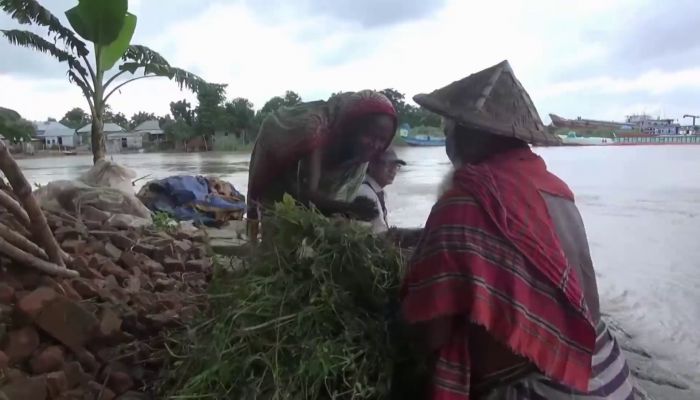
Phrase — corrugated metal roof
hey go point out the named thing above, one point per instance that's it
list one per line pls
(151, 126)
(108, 128)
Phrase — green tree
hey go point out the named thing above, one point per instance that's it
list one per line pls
(291, 98)
(239, 117)
(210, 112)
(109, 27)
(139, 118)
(182, 110)
(76, 118)
(13, 127)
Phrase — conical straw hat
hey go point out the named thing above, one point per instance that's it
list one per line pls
(492, 100)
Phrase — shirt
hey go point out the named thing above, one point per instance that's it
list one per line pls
(371, 190)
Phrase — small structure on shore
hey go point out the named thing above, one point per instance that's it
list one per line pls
(150, 131)
(55, 134)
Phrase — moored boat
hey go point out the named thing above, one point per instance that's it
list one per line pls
(424, 141)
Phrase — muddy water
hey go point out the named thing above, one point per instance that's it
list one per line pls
(641, 206)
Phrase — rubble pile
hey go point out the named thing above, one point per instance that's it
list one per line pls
(83, 316)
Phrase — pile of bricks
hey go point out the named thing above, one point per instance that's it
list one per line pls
(85, 307)
(96, 336)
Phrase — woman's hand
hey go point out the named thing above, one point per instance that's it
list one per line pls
(363, 209)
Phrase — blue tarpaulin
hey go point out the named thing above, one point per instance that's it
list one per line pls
(187, 197)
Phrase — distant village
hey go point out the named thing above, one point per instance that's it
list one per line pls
(634, 124)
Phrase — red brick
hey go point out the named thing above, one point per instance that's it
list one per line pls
(96, 388)
(110, 323)
(110, 268)
(112, 251)
(4, 360)
(129, 260)
(69, 291)
(25, 389)
(75, 375)
(34, 302)
(119, 381)
(73, 246)
(85, 288)
(21, 343)
(200, 265)
(173, 264)
(67, 322)
(92, 213)
(56, 383)
(49, 359)
(7, 293)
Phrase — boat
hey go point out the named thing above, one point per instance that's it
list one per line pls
(572, 139)
(424, 140)
(70, 153)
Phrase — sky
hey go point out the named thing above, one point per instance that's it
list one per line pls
(601, 59)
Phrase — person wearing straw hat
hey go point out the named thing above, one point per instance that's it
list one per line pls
(501, 288)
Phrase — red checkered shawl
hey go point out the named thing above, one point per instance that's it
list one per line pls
(490, 252)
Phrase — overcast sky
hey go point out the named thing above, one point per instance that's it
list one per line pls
(596, 58)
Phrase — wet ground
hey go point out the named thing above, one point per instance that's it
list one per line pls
(641, 205)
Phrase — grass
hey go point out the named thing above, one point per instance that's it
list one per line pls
(303, 319)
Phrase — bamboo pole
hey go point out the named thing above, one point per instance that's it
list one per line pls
(29, 260)
(21, 242)
(12, 206)
(39, 227)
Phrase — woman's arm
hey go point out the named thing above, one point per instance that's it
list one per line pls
(308, 193)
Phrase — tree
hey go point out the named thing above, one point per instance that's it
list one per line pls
(408, 113)
(182, 110)
(291, 98)
(209, 113)
(76, 118)
(13, 127)
(239, 117)
(50, 119)
(165, 121)
(139, 118)
(119, 119)
(109, 27)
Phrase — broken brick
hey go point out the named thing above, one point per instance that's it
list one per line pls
(112, 251)
(92, 213)
(85, 288)
(21, 344)
(49, 359)
(67, 322)
(173, 264)
(4, 360)
(75, 375)
(56, 383)
(129, 260)
(7, 293)
(34, 302)
(200, 265)
(74, 246)
(110, 323)
(25, 389)
(96, 389)
(110, 268)
(119, 381)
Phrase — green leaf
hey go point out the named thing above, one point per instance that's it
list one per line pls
(115, 50)
(99, 21)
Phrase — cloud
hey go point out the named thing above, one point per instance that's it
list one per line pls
(363, 13)
(575, 58)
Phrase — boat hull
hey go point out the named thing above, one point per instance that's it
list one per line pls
(424, 142)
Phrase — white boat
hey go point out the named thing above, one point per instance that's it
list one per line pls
(571, 139)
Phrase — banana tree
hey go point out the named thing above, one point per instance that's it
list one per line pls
(109, 26)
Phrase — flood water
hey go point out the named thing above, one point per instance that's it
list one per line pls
(641, 206)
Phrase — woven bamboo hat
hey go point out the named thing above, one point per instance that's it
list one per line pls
(492, 100)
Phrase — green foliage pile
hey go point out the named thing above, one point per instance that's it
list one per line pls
(304, 319)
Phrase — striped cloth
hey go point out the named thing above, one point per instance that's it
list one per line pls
(490, 252)
(610, 379)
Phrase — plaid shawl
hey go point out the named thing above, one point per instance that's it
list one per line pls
(490, 252)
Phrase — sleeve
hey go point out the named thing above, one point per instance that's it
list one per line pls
(378, 225)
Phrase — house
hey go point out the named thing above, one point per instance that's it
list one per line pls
(150, 131)
(118, 142)
(109, 127)
(55, 134)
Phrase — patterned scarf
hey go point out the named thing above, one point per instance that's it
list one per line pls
(490, 252)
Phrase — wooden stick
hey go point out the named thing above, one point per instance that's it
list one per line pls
(12, 206)
(39, 227)
(29, 260)
(21, 242)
